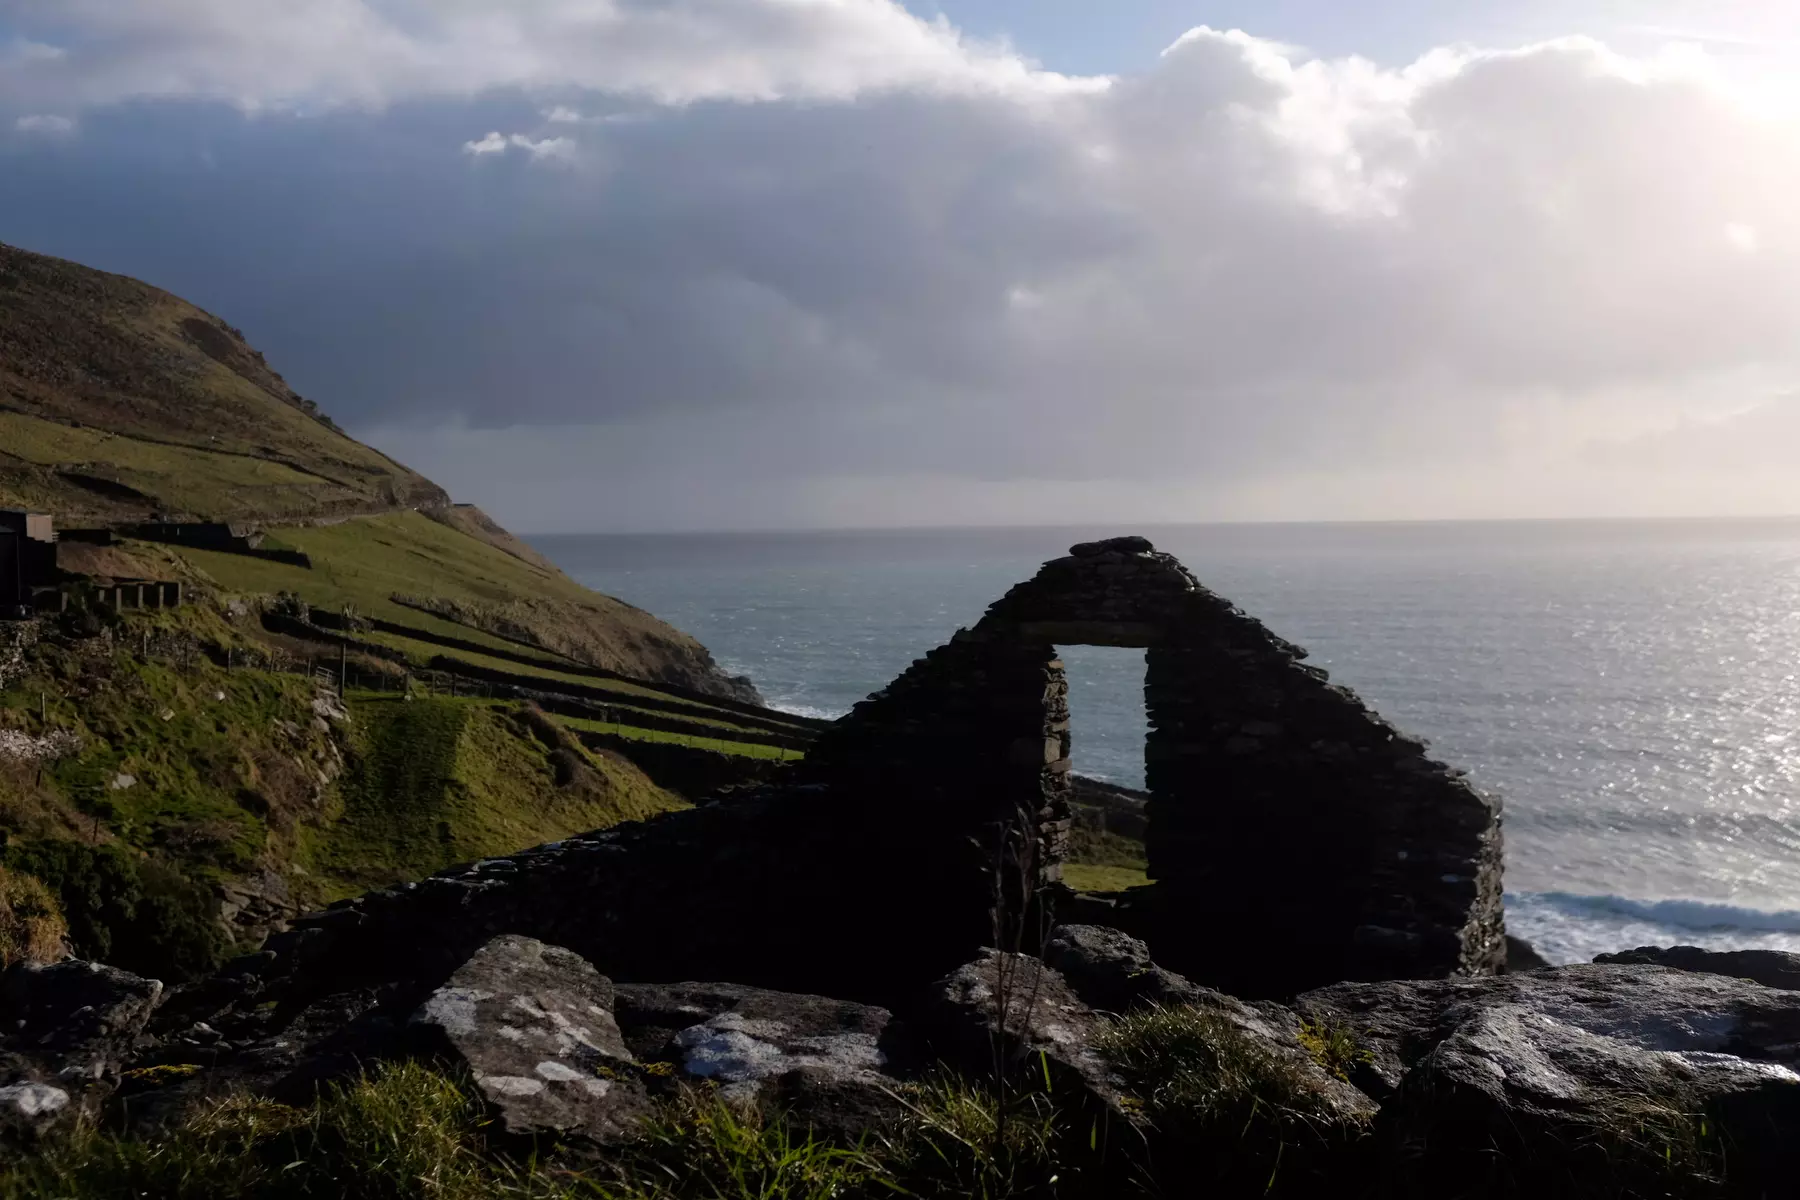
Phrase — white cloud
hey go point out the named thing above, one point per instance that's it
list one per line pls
(545, 148)
(305, 53)
(538, 148)
(47, 124)
(493, 143)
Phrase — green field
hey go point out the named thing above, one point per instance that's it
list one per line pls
(152, 466)
(742, 749)
(434, 782)
(1088, 877)
(1100, 861)
(364, 563)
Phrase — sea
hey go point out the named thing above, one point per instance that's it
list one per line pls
(1630, 690)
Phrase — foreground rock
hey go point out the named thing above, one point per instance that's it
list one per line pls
(66, 1033)
(1771, 968)
(826, 1064)
(1011, 1013)
(1602, 1080)
(533, 1027)
(1586, 1077)
(1113, 971)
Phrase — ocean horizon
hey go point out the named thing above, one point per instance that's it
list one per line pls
(1629, 688)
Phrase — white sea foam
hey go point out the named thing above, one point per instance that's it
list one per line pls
(1565, 927)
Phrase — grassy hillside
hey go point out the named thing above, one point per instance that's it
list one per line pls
(435, 782)
(120, 400)
(120, 403)
(496, 596)
(176, 777)
(221, 797)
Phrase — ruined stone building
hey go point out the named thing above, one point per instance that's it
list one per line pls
(1295, 839)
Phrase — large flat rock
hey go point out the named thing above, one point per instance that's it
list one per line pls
(533, 1025)
(1579, 1074)
(1771, 968)
(828, 1064)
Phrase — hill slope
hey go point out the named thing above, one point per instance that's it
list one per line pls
(119, 401)
(185, 779)
(121, 404)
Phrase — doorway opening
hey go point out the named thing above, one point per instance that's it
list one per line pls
(1108, 726)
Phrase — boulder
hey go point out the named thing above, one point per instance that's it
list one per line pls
(66, 1031)
(1011, 1013)
(1579, 1080)
(77, 1019)
(1110, 970)
(284, 1057)
(828, 1064)
(1771, 968)
(533, 1026)
(1521, 955)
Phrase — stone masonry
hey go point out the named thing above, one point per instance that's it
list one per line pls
(1295, 839)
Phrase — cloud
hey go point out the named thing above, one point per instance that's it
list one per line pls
(47, 124)
(541, 148)
(923, 275)
(307, 53)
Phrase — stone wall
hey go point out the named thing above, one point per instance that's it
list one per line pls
(964, 762)
(1295, 838)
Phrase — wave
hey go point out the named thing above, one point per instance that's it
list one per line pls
(1698, 915)
(805, 710)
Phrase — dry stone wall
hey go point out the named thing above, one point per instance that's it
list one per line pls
(1295, 839)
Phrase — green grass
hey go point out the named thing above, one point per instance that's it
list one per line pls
(1099, 861)
(1089, 877)
(1229, 1111)
(420, 652)
(212, 755)
(723, 746)
(405, 1132)
(1222, 1121)
(204, 480)
(86, 352)
(225, 778)
(364, 563)
(436, 781)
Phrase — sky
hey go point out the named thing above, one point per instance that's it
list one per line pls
(604, 265)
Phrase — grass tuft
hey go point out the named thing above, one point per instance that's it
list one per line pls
(32, 928)
(1228, 1110)
(1334, 1048)
(402, 1132)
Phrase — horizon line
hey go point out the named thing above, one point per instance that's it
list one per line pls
(1127, 526)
